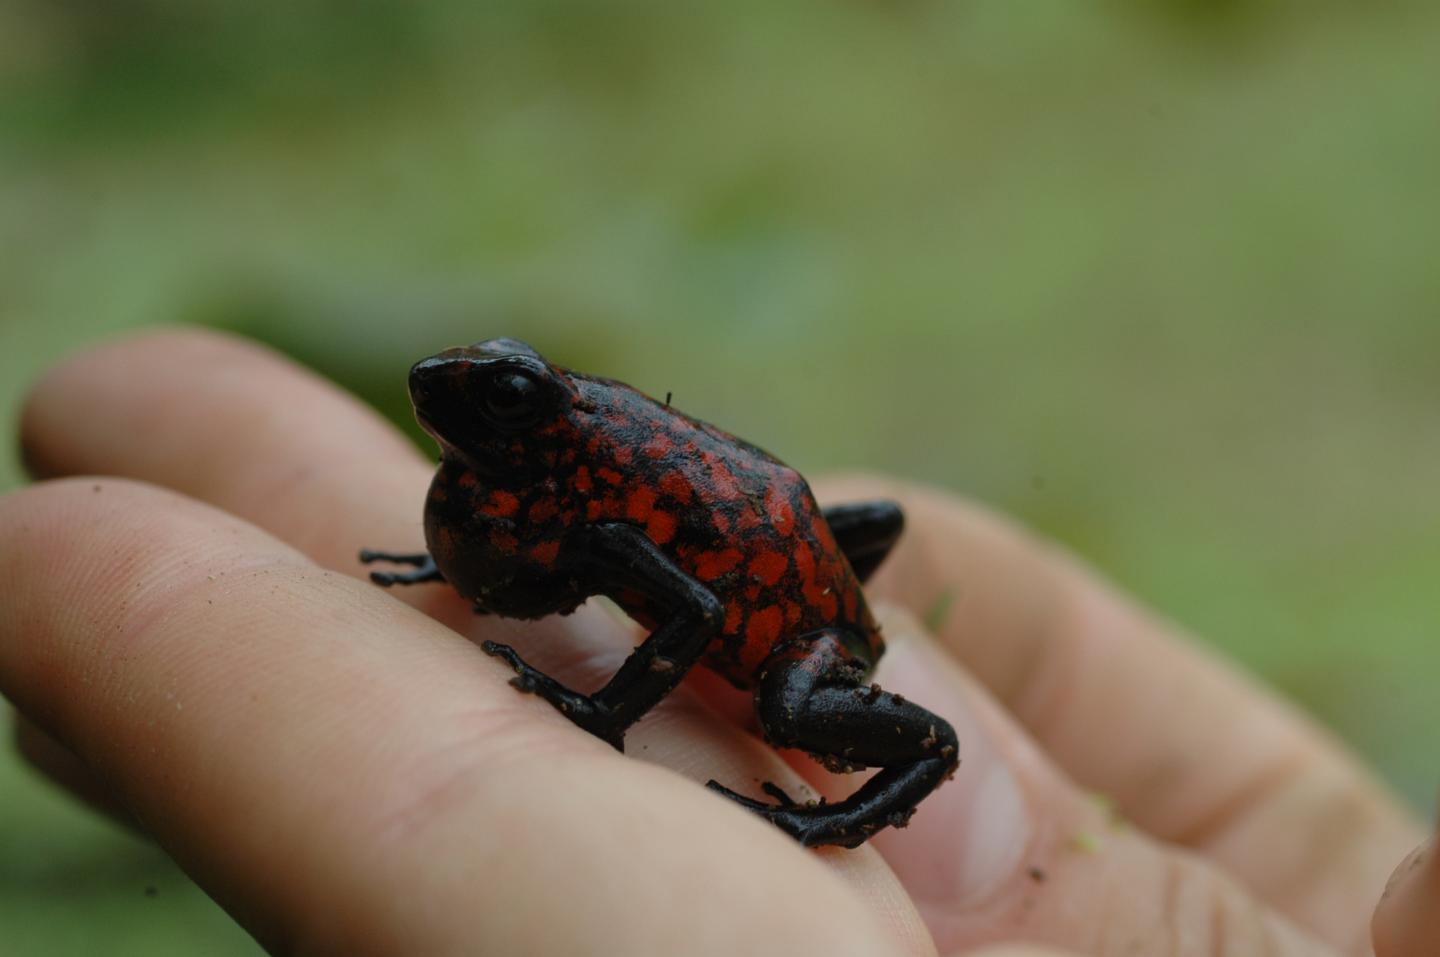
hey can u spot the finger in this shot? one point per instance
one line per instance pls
(1011, 849)
(294, 455)
(1186, 746)
(233, 423)
(1407, 922)
(345, 776)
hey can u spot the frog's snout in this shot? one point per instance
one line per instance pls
(426, 375)
(436, 384)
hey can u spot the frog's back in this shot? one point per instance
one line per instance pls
(734, 517)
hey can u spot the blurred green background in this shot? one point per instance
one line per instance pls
(1158, 278)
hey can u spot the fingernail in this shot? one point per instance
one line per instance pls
(970, 836)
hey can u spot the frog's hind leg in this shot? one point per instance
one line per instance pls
(865, 532)
(424, 562)
(812, 696)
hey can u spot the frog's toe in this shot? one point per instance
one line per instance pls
(812, 823)
(759, 807)
(750, 804)
(525, 676)
(425, 568)
(497, 650)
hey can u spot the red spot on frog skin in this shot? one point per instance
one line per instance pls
(805, 563)
(677, 487)
(782, 517)
(822, 533)
(722, 483)
(504, 541)
(581, 479)
(502, 504)
(817, 596)
(711, 565)
(732, 618)
(660, 527)
(594, 509)
(639, 504)
(546, 552)
(623, 455)
(793, 611)
(610, 475)
(658, 447)
(763, 627)
(543, 510)
(468, 480)
(768, 567)
(721, 523)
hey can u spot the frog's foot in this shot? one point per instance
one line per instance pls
(811, 824)
(750, 804)
(809, 699)
(424, 562)
(581, 709)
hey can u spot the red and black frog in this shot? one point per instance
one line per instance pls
(555, 486)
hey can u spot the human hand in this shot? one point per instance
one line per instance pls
(344, 775)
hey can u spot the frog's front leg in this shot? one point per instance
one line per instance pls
(425, 568)
(812, 696)
(619, 557)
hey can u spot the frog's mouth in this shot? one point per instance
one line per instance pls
(438, 394)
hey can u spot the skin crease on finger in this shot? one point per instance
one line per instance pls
(249, 415)
(329, 764)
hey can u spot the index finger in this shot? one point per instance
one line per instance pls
(345, 775)
(1186, 746)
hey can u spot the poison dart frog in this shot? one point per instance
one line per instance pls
(554, 486)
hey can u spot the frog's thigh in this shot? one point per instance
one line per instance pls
(812, 695)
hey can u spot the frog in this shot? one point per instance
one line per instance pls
(554, 486)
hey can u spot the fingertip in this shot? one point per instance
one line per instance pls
(64, 406)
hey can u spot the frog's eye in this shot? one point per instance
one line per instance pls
(512, 398)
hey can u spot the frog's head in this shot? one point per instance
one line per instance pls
(492, 403)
